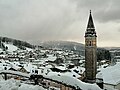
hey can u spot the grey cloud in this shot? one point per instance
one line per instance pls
(42, 20)
(104, 10)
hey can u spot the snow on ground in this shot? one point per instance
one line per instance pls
(11, 47)
(12, 84)
(29, 49)
(1, 50)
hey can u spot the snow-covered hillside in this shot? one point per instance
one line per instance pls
(11, 47)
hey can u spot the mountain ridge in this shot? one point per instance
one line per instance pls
(63, 45)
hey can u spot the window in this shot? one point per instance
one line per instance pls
(90, 44)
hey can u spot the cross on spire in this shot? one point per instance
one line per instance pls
(90, 11)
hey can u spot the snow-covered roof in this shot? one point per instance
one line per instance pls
(51, 58)
(79, 69)
(9, 65)
(111, 74)
(74, 82)
(59, 52)
(15, 73)
(49, 66)
(99, 75)
(29, 67)
(71, 74)
(3, 55)
(61, 67)
(49, 72)
(12, 84)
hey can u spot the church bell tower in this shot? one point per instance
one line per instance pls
(90, 51)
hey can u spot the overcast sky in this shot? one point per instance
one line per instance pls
(44, 20)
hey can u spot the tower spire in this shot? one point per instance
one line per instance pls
(90, 31)
(90, 21)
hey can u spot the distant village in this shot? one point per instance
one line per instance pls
(57, 65)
